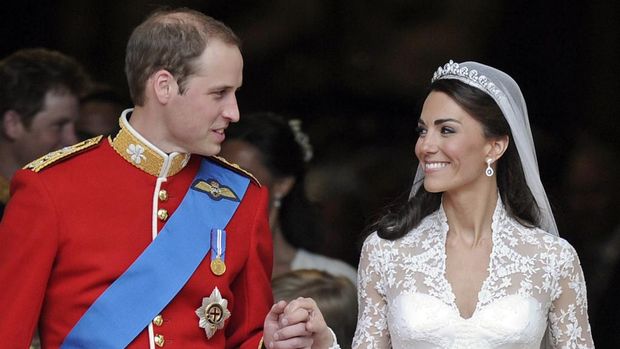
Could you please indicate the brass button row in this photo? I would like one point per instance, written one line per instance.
(159, 339)
(162, 214)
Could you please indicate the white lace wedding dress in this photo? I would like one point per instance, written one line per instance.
(535, 283)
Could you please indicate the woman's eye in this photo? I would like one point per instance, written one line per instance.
(420, 130)
(447, 130)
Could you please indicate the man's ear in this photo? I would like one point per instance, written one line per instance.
(498, 147)
(12, 125)
(164, 86)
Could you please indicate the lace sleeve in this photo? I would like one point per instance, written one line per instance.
(568, 317)
(372, 330)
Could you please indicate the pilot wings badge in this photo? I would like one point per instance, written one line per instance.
(214, 189)
(213, 313)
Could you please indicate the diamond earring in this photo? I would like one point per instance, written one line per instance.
(489, 170)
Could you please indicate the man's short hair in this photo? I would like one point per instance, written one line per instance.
(170, 40)
(28, 75)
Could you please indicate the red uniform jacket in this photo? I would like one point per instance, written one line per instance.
(72, 228)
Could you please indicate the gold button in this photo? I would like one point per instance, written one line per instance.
(162, 214)
(163, 195)
(158, 320)
(159, 340)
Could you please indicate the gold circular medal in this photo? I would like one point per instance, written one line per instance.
(218, 267)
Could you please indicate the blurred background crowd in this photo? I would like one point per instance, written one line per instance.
(355, 74)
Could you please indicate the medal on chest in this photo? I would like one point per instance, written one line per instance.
(218, 251)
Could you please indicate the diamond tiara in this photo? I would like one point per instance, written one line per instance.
(301, 138)
(452, 70)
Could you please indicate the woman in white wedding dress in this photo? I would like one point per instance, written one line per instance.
(473, 260)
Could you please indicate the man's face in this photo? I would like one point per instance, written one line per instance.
(197, 118)
(50, 129)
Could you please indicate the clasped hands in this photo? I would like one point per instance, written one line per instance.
(298, 324)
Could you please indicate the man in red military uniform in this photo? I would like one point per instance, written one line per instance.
(39, 98)
(102, 235)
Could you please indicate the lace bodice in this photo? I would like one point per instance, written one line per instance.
(535, 283)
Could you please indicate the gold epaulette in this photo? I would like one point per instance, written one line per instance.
(48, 159)
(235, 168)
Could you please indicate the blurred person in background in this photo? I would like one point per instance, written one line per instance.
(335, 296)
(277, 152)
(39, 104)
(592, 224)
(100, 109)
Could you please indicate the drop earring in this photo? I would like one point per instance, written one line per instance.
(277, 202)
(489, 170)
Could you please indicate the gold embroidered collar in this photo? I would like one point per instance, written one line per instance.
(4, 190)
(141, 153)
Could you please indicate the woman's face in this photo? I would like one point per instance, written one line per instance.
(249, 158)
(451, 146)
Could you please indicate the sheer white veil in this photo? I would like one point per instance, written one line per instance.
(506, 93)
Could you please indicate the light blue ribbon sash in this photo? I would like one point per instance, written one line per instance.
(152, 281)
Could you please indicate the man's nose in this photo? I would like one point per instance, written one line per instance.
(231, 111)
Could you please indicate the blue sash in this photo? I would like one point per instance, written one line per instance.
(152, 281)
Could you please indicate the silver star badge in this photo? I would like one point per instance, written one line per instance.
(213, 313)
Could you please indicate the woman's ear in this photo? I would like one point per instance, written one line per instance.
(282, 186)
(498, 147)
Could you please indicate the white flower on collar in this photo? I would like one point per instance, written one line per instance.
(137, 153)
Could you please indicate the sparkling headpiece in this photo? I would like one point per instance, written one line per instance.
(452, 70)
(302, 139)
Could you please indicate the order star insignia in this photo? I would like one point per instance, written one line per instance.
(213, 313)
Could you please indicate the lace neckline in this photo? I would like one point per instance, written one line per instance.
(484, 293)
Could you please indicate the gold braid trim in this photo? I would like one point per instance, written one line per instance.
(55, 156)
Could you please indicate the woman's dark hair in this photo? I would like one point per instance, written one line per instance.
(283, 156)
(511, 183)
